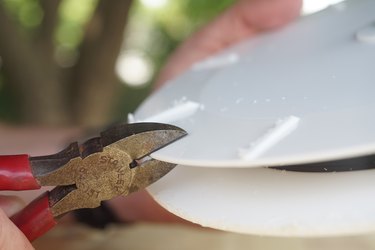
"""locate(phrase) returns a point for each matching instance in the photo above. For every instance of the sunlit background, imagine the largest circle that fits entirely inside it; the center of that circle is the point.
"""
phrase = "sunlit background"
(154, 29)
(131, 62)
(311, 6)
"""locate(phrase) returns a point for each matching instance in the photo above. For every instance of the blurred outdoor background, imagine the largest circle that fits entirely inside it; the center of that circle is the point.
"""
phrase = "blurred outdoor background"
(91, 62)
(88, 62)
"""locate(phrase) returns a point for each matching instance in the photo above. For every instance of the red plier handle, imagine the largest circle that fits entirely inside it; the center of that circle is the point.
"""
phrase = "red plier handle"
(115, 163)
(16, 174)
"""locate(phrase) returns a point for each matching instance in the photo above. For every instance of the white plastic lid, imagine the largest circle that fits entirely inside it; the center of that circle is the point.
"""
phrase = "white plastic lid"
(301, 94)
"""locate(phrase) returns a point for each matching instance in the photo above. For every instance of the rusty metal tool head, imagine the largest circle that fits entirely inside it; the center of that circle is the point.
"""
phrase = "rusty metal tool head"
(116, 163)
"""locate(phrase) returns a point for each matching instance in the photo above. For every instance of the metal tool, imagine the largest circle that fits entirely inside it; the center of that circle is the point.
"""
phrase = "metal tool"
(116, 163)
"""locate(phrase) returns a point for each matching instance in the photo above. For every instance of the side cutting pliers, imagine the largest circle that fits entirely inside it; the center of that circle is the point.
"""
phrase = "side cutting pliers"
(116, 163)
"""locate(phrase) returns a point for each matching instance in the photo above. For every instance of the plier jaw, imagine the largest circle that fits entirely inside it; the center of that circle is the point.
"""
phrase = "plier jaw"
(115, 163)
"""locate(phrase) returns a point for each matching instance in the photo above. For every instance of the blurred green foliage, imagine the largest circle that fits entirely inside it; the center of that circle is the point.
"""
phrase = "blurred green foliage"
(155, 32)
(73, 15)
(166, 28)
(27, 12)
(174, 22)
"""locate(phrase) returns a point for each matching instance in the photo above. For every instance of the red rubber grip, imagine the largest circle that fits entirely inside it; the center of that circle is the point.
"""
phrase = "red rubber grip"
(15, 173)
(36, 218)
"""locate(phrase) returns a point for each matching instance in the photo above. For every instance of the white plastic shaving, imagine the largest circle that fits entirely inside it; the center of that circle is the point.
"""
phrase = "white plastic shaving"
(180, 111)
(281, 130)
(216, 62)
(131, 118)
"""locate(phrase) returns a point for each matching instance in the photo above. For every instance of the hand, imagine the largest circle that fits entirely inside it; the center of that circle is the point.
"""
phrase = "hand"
(245, 19)
(10, 236)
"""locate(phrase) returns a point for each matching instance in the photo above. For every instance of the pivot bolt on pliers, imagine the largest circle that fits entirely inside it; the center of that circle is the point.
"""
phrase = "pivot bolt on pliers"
(116, 163)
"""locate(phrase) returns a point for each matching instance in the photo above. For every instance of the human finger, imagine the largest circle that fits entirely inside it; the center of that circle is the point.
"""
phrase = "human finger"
(10, 236)
(243, 20)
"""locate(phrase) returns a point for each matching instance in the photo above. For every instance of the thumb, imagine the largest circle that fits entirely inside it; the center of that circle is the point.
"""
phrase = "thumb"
(244, 19)
(10, 236)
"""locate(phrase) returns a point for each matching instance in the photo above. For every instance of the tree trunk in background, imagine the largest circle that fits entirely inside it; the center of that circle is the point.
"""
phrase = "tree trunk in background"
(45, 35)
(94, 77)
(38, 87)
(39, 82)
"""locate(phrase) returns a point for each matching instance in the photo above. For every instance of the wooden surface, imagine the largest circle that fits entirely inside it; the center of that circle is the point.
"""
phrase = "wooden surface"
(164, 237)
